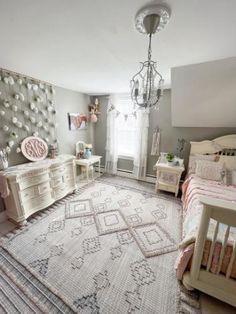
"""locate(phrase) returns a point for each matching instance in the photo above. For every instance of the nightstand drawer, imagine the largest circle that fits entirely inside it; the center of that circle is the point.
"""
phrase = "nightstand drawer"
(167, 188)
(168, 177)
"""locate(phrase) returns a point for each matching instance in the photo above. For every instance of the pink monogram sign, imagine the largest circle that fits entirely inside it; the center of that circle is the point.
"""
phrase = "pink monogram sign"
(34, 148)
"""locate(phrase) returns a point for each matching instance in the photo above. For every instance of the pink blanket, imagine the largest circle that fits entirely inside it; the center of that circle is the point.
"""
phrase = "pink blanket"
(194, 187)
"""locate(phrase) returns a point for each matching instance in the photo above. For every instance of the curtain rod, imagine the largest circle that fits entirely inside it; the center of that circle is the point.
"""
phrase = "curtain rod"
(24, 75)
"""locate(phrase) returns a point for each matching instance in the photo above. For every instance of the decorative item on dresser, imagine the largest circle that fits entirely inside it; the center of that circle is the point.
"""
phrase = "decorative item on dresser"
(30, 187)
(168, 175)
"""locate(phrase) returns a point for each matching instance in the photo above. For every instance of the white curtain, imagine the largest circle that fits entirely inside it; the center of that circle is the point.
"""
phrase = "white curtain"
(111, 141)
(141, 145)
(156, 138)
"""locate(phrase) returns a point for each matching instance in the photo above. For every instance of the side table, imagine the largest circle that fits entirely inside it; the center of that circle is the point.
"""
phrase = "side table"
(168, 176)
(89, 162)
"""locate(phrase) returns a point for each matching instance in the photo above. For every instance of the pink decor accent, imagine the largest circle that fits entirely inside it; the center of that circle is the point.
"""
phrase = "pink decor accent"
(183, 260)
(34, 148)
(93, 118)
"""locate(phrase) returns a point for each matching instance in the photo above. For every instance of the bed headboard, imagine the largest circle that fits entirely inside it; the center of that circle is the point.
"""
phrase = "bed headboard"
(224, 145)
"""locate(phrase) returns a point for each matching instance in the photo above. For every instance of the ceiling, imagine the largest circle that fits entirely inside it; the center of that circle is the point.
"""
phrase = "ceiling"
(92, 46)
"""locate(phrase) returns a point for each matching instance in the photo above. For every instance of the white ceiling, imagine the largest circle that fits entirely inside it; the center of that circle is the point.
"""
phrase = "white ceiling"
(91, 45)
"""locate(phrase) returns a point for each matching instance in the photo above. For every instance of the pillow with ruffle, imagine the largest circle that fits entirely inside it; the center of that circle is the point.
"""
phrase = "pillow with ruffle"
(210, 170)
(194, 158)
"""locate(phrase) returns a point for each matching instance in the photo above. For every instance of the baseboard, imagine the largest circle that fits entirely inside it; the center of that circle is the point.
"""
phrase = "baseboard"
(3, 216)
(128, 174)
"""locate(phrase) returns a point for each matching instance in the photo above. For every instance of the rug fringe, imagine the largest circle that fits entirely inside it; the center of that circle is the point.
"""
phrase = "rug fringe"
(24, 289)
(43, 281)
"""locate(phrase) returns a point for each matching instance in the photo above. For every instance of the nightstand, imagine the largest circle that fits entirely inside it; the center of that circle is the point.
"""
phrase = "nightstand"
(168, 176)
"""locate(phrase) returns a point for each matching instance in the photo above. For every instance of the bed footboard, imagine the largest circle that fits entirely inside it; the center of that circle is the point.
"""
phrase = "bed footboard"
(216, 284)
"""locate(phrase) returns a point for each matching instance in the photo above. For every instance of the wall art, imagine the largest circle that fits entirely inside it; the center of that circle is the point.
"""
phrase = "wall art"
(77, 121)
(34, 148)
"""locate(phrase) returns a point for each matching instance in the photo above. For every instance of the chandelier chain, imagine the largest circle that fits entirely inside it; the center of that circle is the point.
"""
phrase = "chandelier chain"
(150, 48)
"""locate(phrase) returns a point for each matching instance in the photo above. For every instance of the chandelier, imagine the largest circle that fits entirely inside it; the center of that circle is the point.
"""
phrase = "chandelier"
(147, 84)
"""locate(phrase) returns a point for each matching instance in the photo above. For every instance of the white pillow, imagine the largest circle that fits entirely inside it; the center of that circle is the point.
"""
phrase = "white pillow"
(233, 177)
(194, 158)
(210, 170)
(229, 161)
(230, 165)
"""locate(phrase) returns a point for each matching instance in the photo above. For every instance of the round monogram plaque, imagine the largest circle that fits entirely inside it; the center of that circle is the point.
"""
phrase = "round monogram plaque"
(34, 148)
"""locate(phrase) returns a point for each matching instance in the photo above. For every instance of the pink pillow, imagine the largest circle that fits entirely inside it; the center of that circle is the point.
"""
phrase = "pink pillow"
(183, 260)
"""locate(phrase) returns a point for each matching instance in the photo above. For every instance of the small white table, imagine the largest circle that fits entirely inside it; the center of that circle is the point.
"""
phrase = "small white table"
(168, 176)
(89, 162)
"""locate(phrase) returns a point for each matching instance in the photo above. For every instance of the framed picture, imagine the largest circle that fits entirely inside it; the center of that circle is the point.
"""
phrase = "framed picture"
(77, 121)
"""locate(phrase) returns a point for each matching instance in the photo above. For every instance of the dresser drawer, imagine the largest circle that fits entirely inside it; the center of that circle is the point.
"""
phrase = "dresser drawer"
(44, 187)
(28, 193)
(69, 165)
(57, 172)
(38, 202)
(35, 191)
(68, 176)
(60, 191)
(56, 182)
(31, 181)
(70, 185)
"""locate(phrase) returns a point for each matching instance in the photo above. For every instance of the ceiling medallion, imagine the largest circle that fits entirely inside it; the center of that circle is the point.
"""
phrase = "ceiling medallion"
(162, 11)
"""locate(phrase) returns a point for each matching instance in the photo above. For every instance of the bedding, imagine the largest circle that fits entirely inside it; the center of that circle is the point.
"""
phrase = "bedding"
(192, 188)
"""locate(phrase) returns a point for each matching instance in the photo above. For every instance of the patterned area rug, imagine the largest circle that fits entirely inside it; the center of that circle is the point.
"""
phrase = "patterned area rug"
(110, 248)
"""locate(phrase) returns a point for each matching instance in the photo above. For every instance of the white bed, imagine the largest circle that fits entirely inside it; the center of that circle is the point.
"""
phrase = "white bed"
(218, 284)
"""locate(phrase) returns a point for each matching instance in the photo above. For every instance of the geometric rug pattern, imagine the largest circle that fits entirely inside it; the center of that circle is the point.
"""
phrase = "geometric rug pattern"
(153, 240)
(88, 253)
(77, 208)
(110, 221)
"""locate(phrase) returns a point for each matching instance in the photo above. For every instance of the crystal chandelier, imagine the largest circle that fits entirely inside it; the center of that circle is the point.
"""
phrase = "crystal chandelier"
(147, 84)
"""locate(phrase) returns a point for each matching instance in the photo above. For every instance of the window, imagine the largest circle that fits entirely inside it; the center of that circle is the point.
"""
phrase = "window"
(126, 127)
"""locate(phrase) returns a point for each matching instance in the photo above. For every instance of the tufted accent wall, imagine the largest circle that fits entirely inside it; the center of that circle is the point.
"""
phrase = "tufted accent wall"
(27, 108)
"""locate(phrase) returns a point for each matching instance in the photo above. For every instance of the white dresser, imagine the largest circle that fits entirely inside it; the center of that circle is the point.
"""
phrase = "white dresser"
(36, 185)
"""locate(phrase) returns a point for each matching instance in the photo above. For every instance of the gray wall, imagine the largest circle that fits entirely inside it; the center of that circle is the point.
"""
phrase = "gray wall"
(100, 129)
(169, 134)
(71, 101)
(200, 90)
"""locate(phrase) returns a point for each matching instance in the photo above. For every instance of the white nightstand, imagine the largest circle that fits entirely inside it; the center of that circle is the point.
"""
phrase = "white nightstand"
(168, 176)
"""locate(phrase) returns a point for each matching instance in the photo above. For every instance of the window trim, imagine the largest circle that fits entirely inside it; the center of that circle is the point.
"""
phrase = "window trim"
(128, 157)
